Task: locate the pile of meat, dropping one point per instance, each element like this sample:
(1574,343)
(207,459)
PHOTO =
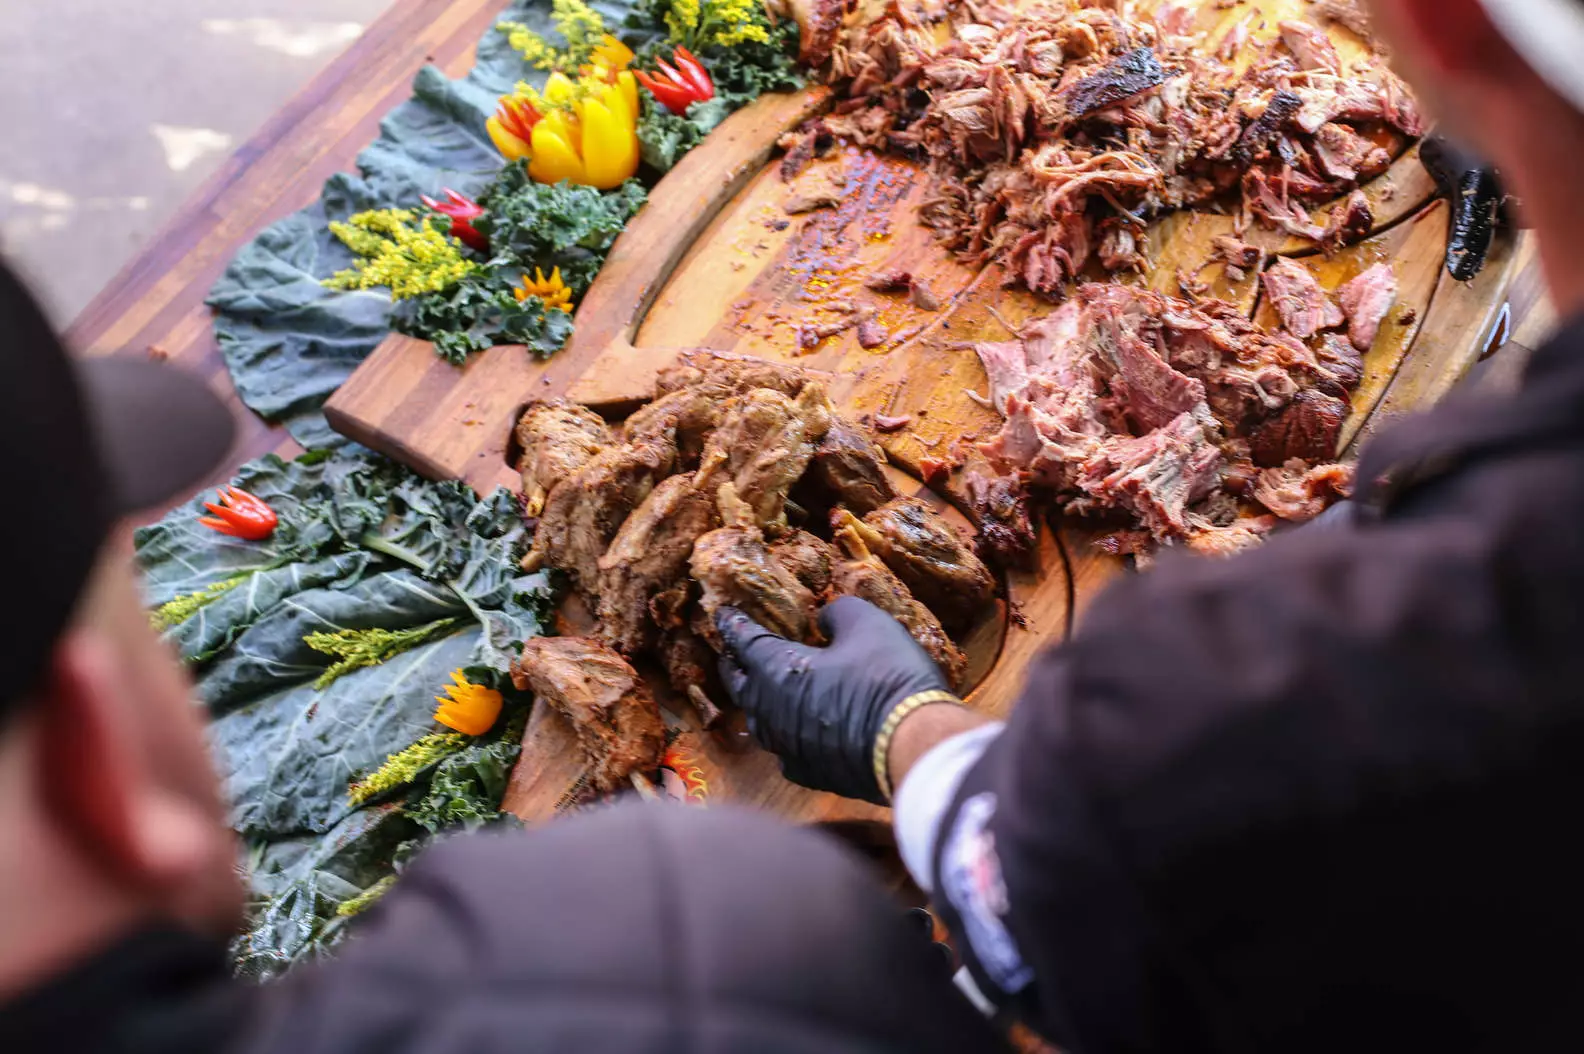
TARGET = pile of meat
(1055,129)
(738,485)
(1182,419)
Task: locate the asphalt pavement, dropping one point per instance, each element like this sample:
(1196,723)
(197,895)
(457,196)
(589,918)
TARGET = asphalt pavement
(115,111)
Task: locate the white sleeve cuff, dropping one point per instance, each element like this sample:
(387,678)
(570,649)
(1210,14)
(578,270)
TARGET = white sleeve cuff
(927,791)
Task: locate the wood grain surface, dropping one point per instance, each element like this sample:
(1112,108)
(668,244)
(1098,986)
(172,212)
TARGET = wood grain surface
(155,305)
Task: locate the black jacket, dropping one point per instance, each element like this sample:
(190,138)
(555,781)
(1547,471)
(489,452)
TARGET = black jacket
(635,929)
(1323,796)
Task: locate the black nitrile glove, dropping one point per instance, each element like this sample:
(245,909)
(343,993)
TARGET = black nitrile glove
(1475,192)
(820,709)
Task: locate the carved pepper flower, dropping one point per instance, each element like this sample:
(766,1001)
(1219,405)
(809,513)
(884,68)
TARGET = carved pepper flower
(467,707)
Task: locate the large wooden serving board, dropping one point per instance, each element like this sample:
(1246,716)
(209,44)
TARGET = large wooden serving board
(715,261)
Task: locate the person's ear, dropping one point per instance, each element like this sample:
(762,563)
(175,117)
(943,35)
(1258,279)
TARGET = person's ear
(97,780)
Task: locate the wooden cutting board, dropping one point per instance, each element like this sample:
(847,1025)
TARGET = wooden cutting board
(715,261)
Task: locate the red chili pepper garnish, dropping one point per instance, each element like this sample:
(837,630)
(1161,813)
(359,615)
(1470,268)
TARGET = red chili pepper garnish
(240,515)
(680,86)
(518,116)
(463,211)
(694,70)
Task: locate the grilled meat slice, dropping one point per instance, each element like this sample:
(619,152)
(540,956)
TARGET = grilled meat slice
(733,373)
(1137,71)
(616,719)
(557,439)
(694,392)
(767,441)
(846,470)
(1001,512)
(736,569)
(584,511)
(649,555)
(1365,301)
(1308,428)
(808,558)
(1350,221)
(688,661)
(864,576)
(1303,307)
(929,556)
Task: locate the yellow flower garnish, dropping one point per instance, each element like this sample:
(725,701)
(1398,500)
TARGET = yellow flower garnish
(553,291)
(700,24)
(410,259)
(610,56)
(583,131)
(467,707)
(580,24)
(404,766)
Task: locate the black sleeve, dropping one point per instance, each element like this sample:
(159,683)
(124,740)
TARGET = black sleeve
(1311,795)
(628,928)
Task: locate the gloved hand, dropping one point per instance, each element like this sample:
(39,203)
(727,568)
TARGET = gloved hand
(820,709)
(1474,190)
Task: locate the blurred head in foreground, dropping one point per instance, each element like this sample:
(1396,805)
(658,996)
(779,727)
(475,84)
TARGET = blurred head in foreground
(109,811)
(1507,76)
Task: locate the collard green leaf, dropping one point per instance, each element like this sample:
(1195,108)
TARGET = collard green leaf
(467,788)
(289,756)
(362,543)
(297,883)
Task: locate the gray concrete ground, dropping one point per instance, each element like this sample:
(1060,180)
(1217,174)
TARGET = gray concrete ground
(115,111)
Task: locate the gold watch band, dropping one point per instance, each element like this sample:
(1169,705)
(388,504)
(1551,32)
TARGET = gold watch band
(882,743)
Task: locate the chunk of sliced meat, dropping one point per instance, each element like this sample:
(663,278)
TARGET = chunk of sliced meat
(864,576)
(925,551)
(767,441)
(584,511)
(736,569)
(557,439)
(1303,307)
(616,719)
(1297,492)
(649,555)
(847,468)
(1308,429)
(1365,300)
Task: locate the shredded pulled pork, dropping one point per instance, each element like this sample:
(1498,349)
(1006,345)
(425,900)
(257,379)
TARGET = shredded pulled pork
(1182,418)
(1055,129)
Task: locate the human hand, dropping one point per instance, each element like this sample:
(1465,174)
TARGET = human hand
(1474,190)
(821,709)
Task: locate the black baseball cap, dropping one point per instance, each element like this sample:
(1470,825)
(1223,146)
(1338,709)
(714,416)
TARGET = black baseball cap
(84,442)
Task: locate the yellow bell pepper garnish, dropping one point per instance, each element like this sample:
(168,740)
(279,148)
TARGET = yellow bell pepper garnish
(553,290)
(612,54)
(467,707)
(583,131)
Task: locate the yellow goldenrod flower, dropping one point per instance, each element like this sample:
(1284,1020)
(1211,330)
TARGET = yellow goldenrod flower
(353,649)
(579,24)
(408,259)
(699,24)
(583,131)
(174,612)
(553,291)
(467,707)
(404,766)
(365,900)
